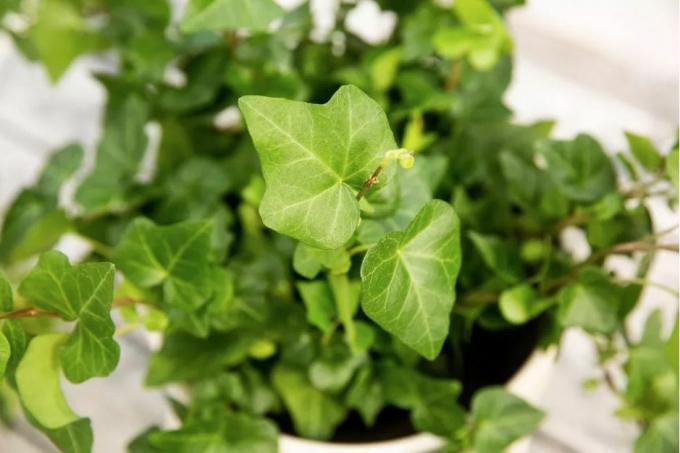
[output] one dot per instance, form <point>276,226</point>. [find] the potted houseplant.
<point>340,241</point>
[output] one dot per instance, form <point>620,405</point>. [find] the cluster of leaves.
<point>307,267</point>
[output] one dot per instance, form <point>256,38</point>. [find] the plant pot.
<point>528,382</point>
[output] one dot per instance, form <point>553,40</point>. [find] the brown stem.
<point>369,182</point>
<point>454,76</point>
<point>32,312</point>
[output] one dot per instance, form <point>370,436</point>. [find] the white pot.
<point>528,383</point>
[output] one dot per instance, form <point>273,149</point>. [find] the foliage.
<point>333,250</point>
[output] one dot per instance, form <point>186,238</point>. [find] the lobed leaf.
<point>408,279</point>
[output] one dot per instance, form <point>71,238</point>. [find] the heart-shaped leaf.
<point>408,279</point>
<point>314,158</point>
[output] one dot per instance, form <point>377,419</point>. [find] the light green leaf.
<point>409,277</point>
<point>499,255</point>
<point>521,303</point>
<point>384,69</point>
<point>500,418</point>
<point>579,167</point>
<point>225,433</point>
<point>38,382</point>
<point>83,292</point>
<point>315,414</point>
<point>318,300</point>
<point>6,296</point>
<point>176,256</point>
<point>60,34</point>
<point>314,158</point>
<point>644,151</point>
<point>661,436</point>
<point>76,437</point>
<point>218,15</point>
<point>308,261</point>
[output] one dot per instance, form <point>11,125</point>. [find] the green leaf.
<point>318,300</point>
<point>437,410</point>
<point>500,256</point>
<point>5,354</point>
<point>38,382</point>
<point>308,261</point>
<point>119,153</point>
<point>408,279</point>
<point>34,222</point>
<point>15,334</point>
<point>500,418</point>
<point>6,296</point>
<point>314,157</point>
<point>358,336</point>
<point>520,303</point>
<point>661,436</point>
<point>315,414</point>
<point>644,151</point>
<point>175,256</point>
<point>579,167</point>
<point>218,15</point>
<point>334,369</point>
<point>365,394</point>
<point>60,35</point>
<point>82,293</point>
<point>592,303</point>
<point>227,432</point>
<point>185,357</point>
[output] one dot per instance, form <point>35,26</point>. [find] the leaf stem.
<point>369,182</point>
<point>359,249</point>
<point>33,312</point>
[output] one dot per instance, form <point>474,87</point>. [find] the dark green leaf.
<point>318,300</point>
<point>644,151</point>
<point>82,293</point>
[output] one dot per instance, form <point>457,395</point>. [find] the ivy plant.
<point>327,227</point>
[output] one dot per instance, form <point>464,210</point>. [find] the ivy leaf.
<point>184,357</point>
<point>60,34</point>
<point>34,222</point>
<point>408,279</point>
<point>499,418</point>
<point>644,151</point>
<point>437,410</point>
<point>38,382</point>
<point>76,437</point>
<point>365,394</point>
<point>318,300</point>
<point>520,303</point>
<point>218,15</point>
<point>226,432</point>
<point>308,261</point>
<point>500,256</point>
<point>119,153</point>
<point>592,303</point>
<point>315,414</point>
<point>579,167</point>
<point>82,293</point>
<point>314,157</point>
<point>176,256</point>
<point>333,370</point>
<point>6,296</point>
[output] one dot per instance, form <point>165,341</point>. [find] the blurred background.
<point>599,67</point>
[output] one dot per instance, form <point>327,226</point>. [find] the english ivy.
<point>324,227</point>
